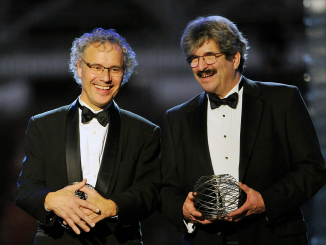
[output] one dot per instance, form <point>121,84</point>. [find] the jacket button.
<point>219,233</point>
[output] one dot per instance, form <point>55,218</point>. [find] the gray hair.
<point>80,44</point>
<point>217,28</point>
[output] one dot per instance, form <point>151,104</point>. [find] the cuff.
<point>190,226</point>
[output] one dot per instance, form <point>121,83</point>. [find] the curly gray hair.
<point>222,31</point>
<point>80,44</point>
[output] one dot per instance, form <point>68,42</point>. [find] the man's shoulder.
<point>270,86</point>
<point>187,106</point>
<point>134,119</point>
<point>55,113</point>
<point>269,90</point>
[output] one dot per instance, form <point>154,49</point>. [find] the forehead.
<point>103,51</point>
<point>208,46</point>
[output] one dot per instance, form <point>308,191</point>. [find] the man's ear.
<point>236,60</point>
<point>79,69</point>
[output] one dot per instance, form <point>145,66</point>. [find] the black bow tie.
<point>87,115</point>
<point>216,102</point>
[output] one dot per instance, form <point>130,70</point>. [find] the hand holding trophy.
<point>217,196</point>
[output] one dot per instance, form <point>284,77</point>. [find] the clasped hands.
<point>77,212</point>
<point>253,205</point>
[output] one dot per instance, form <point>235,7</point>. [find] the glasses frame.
<point>89,65</point>
<point>191,58</point>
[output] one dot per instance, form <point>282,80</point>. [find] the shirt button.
<point>226,158</point>
<point>223,115</point>
<point>94,132</point>
<point>94,154</point>
<point>94,175</point>
<point>224,136</point>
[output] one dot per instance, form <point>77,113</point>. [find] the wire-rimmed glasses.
<point>98,69</point>
<point>209,58</point>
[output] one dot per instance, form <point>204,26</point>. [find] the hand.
<point>190,213</point>
<point>107,207</point>
<point>66,205</point>
<point>253,205</point>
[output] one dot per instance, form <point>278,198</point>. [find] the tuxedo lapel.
<point>252,109</point>
<point>110,153</point>
<point>72,145</point>
<point>197,121</point>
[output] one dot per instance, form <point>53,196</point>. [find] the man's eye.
<point>209,55</point>
<point>97,67</point>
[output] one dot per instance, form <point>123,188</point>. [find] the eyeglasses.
<point>209,58</point>
<point>98,69</point>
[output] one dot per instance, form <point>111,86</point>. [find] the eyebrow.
<point>206,53</point>
<point>103,65</point>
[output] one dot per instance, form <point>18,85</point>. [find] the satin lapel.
<point>197,121</point>
<point>74,170</point>
<point>252,109</point>
<point>110,153</point>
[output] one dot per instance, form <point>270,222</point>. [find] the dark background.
<point>287,40</point>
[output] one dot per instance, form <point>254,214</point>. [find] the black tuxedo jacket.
<point>279,157</point>
<point>129,173</point>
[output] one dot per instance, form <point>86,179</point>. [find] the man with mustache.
<point>92,138</point>
<point>259,133</point>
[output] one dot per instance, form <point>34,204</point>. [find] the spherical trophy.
<point>217,196</point>
<point>81,195</point>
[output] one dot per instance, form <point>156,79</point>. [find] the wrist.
<point>46,202</point>
<point>111,208</point>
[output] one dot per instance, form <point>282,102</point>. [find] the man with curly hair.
<point>91,140</point>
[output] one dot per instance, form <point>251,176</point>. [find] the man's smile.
<point>206,73</point>
<point>102,87</point>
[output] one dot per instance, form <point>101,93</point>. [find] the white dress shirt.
<point>223,132</point>
<point>92,142</point>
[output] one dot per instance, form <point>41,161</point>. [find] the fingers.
<point>244,187</point>
<point>90,206</point>
<point>90,214</point>
<point>191,214</point>
<point>189,210</point>
<point>78,185</point>
<point>92,197</point>
<point>190,196</point>
<point>87,190</point>
<point>236,212</point>
<point>253,205</point>
<point>66,205</point>
<point>87,211</point>
<point>85,215</point>
<point>204,222</point>
<point>74,222</point>
<point>75,218</point>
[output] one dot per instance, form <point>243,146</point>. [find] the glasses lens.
<point>116,71</point>
<point>209,59</point>
<point>194,62</point>
<point>97,69</point>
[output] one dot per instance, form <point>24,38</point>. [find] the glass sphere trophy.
<point>217,196</point>
<point>81,195</point>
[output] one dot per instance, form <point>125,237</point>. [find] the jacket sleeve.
<point>307,171</point>
<point>173,196</point>
<point>140,197</point>
<point>31,191</point>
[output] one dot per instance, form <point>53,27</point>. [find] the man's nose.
<point>202,64</point>
<point>106,76</point>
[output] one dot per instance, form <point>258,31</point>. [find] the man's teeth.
<point>205,75</point>
<point>101,87</point>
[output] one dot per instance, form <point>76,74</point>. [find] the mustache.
<point>208,72</point>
